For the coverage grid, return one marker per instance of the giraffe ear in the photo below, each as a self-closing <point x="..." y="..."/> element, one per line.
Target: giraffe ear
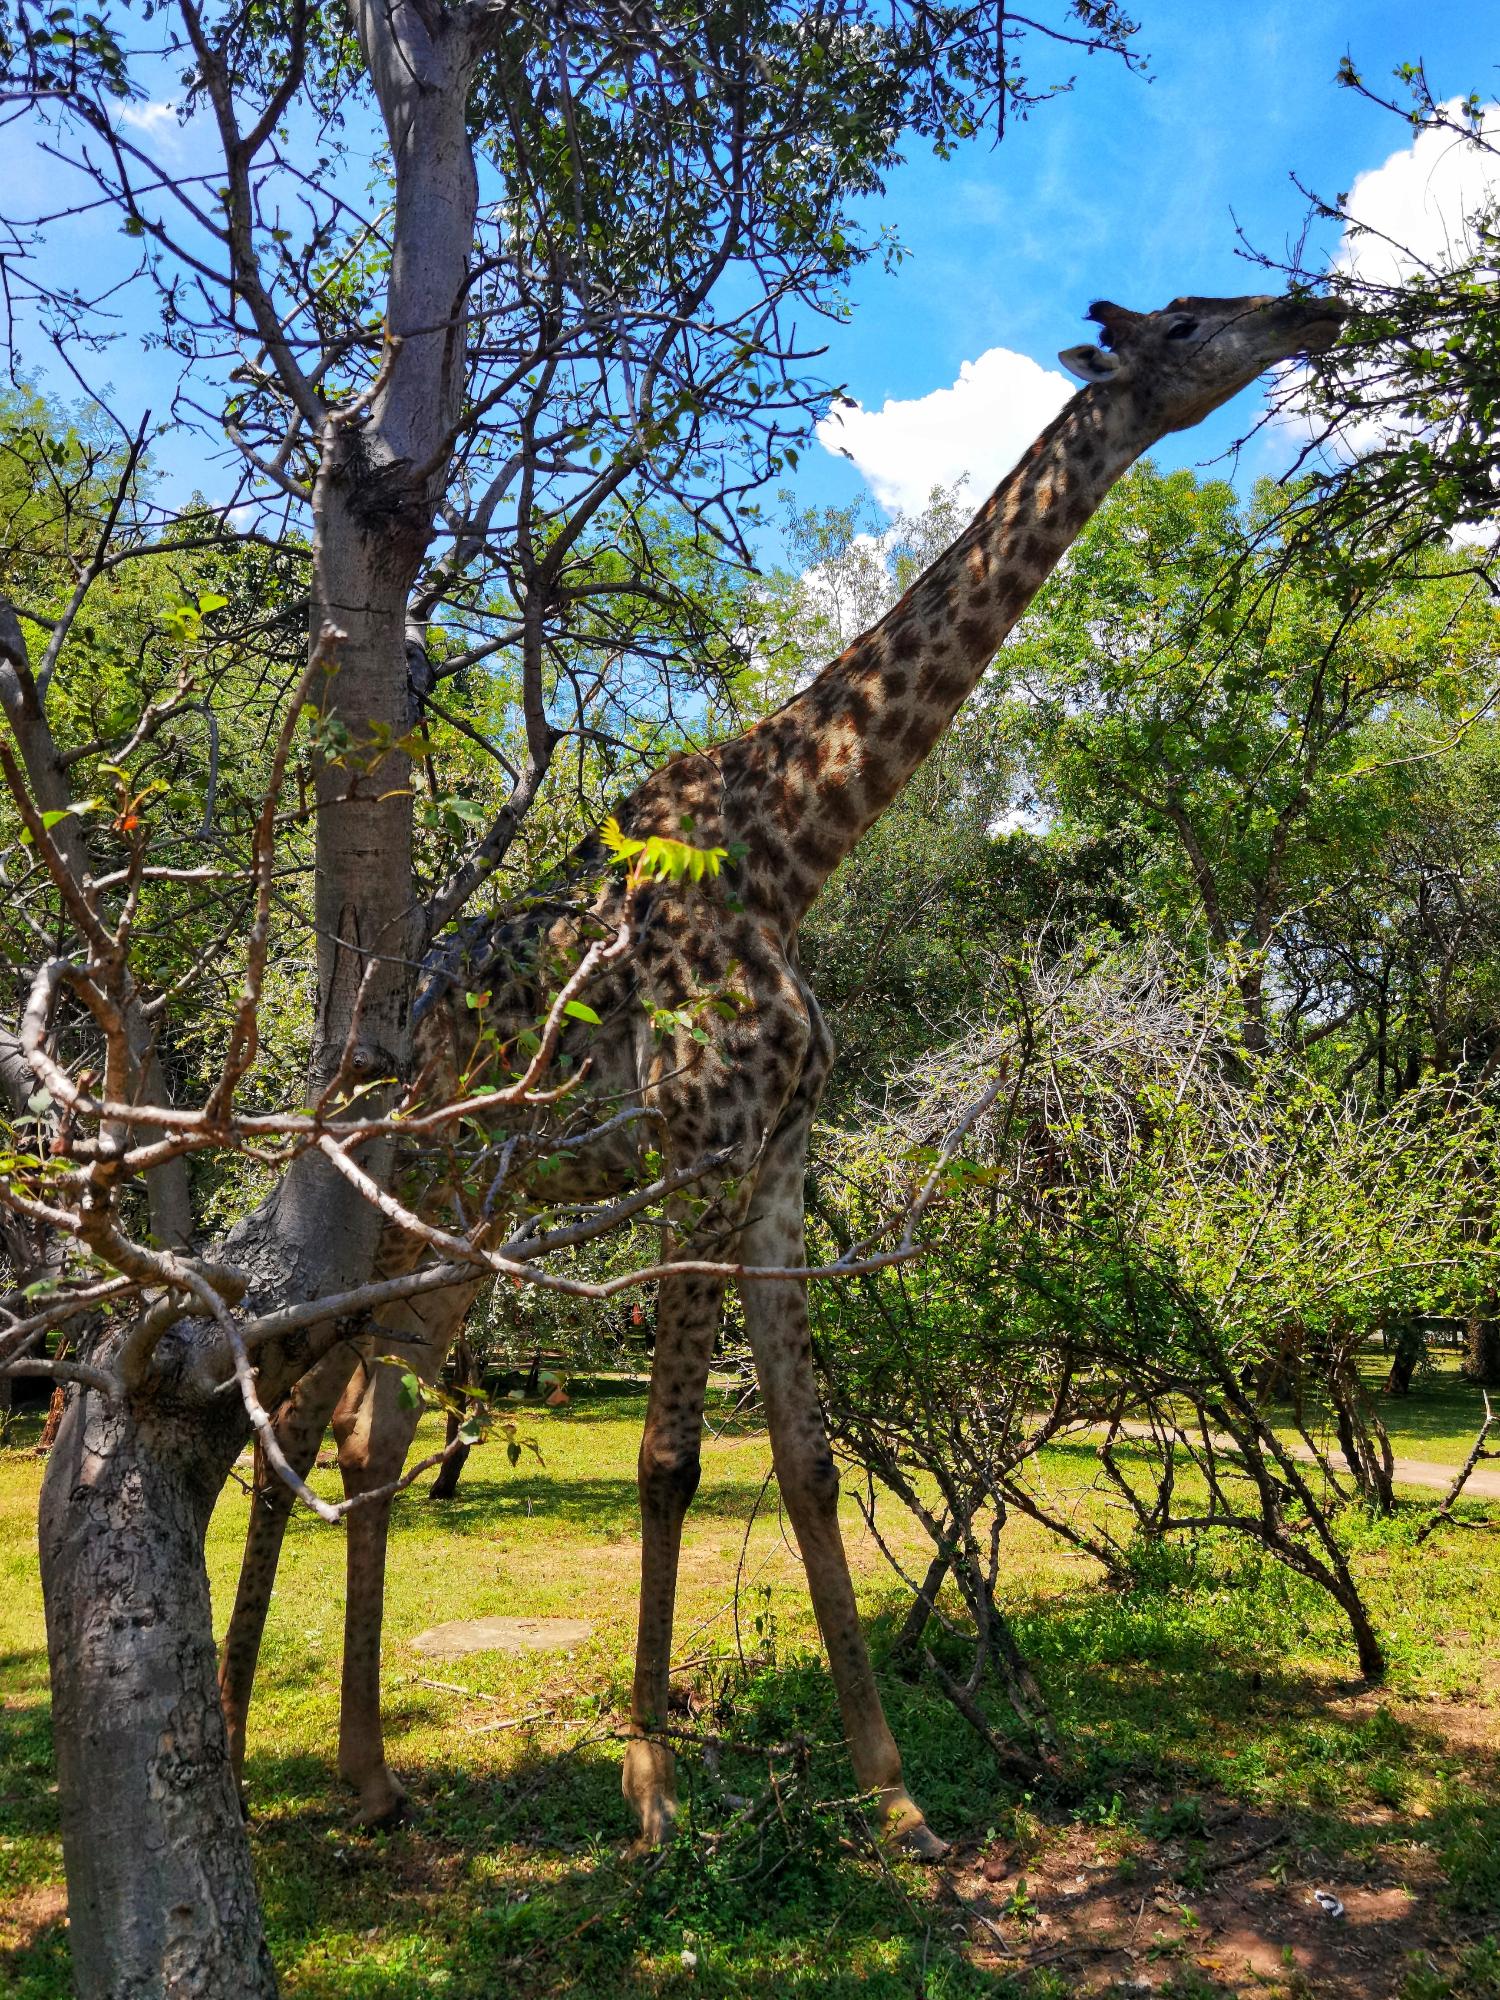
<point x="1089" y="363"/>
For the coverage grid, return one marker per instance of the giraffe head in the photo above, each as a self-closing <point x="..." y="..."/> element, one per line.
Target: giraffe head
<point x="1168" y="369"/>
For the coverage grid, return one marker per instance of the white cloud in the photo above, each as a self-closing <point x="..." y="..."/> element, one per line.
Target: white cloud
<point x="154" y="119"/>
<point x="1414" y="209"/>
<point x="1021" y="819"/>
<point x="979" y="427"/>
<point x="1416" y="206"/>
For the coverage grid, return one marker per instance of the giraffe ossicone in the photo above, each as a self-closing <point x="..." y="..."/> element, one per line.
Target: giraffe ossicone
<point x="792" y="795"/>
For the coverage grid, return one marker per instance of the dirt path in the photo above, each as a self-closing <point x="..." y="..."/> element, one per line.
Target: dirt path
<point x="1483" y="1482"/>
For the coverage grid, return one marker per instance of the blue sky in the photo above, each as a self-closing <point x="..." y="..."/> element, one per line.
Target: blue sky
<point x="1130" y="190"/>
<point x="1126" y="189"/>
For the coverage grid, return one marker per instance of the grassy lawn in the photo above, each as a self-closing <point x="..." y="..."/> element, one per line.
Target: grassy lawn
<point x="1439" y="1419"/>
<point x="1222" y="1762"/>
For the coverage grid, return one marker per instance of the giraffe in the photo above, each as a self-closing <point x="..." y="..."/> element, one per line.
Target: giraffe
<point x="793" y="794"/>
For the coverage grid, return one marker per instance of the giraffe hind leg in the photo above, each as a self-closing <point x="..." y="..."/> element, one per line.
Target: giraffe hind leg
<point x="667" y="1477"/>
<point x="374" y="1435"/>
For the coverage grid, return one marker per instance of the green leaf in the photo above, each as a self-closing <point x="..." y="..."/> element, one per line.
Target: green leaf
<point x="581" y="1011"/>
<point x="619" y="844"/>
<point x="51" y="819"/>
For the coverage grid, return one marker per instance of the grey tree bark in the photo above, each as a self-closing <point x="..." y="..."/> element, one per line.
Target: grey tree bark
<point x="161" y="1897"/>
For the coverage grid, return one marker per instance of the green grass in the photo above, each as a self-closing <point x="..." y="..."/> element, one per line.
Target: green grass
<point x="1439" y="1420"/>
<point x="1215" y="1678"/>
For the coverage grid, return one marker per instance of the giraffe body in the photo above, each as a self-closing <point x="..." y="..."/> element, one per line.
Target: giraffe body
<point x="794" y="794"/>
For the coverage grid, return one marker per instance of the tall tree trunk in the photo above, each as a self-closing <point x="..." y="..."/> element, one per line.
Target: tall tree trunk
<point x="161" y="1897"/>
<point x="1481" y="1364"/>
<point x="161" y="1889"/>
<point x="1407" y="1351"/>
<point x="446" y="1484"/>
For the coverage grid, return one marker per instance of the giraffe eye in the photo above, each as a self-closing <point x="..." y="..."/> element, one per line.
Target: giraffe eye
<point x="1182" y="329"/>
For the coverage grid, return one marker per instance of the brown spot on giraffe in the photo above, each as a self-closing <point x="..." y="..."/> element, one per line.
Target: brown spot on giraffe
<point x="859" y="707"/>
<point x="950" y="687"/>
<point x="905" y="641"/>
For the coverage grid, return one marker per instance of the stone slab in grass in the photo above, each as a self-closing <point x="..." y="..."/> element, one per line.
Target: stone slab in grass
<point x="502" y="1635"/>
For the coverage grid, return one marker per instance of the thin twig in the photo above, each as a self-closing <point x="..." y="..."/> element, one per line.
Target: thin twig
<point x="1478" y="1452"/>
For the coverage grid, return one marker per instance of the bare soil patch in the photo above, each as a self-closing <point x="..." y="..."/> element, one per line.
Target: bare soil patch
<point x="1232" y="1900"/>
<point x="1236" y="1904"/>
<point x="461" y="1636"/>
<point x="26" y="1914"/>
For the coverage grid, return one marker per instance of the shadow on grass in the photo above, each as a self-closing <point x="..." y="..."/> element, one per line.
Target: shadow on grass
<point x="38" y="1966"/>
<point x="1200" y="1720"/>
<point x="488" y="1503"/>
<point x="517" y="1880"/>
<point x="523" y="1882"/>
<point x="27" y="1804"/>
<point x="24" y="1671"/>
<point x="1441" y="1409"/>
<point x="1193" y="1733"/>
<point x="33" y="1934"/>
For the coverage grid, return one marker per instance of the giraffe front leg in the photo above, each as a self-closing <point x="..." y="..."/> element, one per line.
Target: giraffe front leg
<point x="809" y="1484"/>
<point x="776" y="1316"/>
<point x="667" y="1478"/>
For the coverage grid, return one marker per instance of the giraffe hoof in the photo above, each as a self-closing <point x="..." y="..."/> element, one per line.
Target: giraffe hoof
<point x="382" y="1802"/>
<point x="917" y="1842"/>
<point x="649" y="1783"/>
<point x="659" y="1827"/>
<point x="906" y="1829"/>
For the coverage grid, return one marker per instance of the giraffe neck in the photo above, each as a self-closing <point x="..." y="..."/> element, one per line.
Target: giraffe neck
<point x="825" y="766"/>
